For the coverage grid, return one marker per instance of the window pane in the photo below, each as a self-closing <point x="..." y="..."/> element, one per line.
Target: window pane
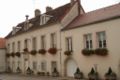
<point x="88" y="41"/>
<point x="34" y="41"/>
<point x="53" y="65"/>
<point x="69" y="46"/>
<point x="34" y="65"/>
<point x="43" y="66"/>
<point x="53" y="40"/>
<point x="101" y="39"/>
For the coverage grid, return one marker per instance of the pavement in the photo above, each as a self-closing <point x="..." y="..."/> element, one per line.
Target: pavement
<point x="30" y="77"/>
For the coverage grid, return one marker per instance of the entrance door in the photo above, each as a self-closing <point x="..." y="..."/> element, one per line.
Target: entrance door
<point x="71" y="68"/>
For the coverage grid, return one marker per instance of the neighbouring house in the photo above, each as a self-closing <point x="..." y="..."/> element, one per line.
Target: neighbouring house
<point x="64" y="39"/>
<point x="2" y="55"/>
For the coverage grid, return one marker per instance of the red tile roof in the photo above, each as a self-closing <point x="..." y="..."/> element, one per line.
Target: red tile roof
<point x="95" y="16"/>
<point x="2" y="43"/>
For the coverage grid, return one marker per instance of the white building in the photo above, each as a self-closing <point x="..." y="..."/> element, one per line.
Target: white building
<point x="66" y="38"/>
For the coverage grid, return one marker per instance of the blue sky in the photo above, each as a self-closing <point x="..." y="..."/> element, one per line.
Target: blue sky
<point x="14" y="11"/>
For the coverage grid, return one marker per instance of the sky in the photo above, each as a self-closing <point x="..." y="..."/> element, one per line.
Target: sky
<point x="13" y="12"/>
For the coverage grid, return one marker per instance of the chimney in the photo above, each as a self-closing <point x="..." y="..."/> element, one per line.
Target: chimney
<point x="37" y="12"/>
<point x="27" y="17"/>
<point x="72" y="2"/>
<point x="48" y="8"/>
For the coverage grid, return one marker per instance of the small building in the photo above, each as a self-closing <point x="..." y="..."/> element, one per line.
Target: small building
<point x="2" y="55"/>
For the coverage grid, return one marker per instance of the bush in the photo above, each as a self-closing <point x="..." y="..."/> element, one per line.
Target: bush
<point x="55" y="73"/>
<point x="87" y="52"/>
<point x="101" y="51"/>
<point x="78" y="74"/>
<point x="93" y="75"/>
<point x="18" y="70"/>
<point x="110" y="75"/>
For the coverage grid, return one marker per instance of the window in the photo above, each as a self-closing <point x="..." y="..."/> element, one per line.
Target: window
<point x="19" y="46"/>
<point x="88" y="41"/>
<point x="34" y="65"/>
<point x="8" y="48"/>
<point x="43" y="45"/>
<point x="26" y="43"/>
<point x="53" y="65"/>
<point x="101" y="36"/>
<point x="34" y="43"/>
<point x="53" y="40"/>
<point x="13" y="47"/>
<point x="43" y="66"/>
<point x="44" y="18"/>
<point x="18" y="63"/>
<point x="69" y="44"/>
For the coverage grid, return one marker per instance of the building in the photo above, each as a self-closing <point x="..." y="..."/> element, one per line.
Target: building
<point x="66" y="38"/>
<point x="2" y="55"/>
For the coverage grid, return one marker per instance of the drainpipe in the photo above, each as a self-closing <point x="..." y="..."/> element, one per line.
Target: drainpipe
<point x="60" y="55"/>
<point x="119" y="70"/>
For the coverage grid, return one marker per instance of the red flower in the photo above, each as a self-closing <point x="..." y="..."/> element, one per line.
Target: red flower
<point x="52" y="50"/>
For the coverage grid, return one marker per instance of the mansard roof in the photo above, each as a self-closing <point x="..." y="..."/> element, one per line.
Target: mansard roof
<point x="96" y="16"/>
<point x="56" y="16"/>
<point x="2" y="43"/>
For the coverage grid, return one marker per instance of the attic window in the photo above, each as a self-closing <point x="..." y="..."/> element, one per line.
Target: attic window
<point x="27" y="26"/>
<point x="15" y="29"/>
<point x="44" y="19"/>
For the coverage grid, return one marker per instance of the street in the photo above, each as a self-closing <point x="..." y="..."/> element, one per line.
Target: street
<point x="29" y="77"/>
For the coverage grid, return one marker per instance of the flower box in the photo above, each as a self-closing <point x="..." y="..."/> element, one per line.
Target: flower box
<point x="87" y="52"/>
<point x="52" y="50"/>
<point x="42" y="51"/>
<point x="101" y="51"/>
<point x="17" y="54"/>
<point x="13" y="54"/>
<point x="68" y="53"/>
<point x="25" y="50"/>
<point x="7" y="55"/>
<point x="33" y="52"/>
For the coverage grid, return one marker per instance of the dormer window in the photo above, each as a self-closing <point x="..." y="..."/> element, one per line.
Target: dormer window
<point x="15" y="29"/>
<point x="44" y="19"/>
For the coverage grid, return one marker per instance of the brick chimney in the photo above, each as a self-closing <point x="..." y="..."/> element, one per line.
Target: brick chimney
<point x="37" y="12"/>
<point x="48" y="8"/>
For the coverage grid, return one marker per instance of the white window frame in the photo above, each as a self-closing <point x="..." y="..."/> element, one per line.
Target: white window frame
<point x="88" y="44"/>
<point x="34" y="43"/>
<point x="43" y="41"/>
<point x="53" y="40"/>
<point x="43" y="66"/>
<point x="101" y="39"/>
<point x="69" y="44"/>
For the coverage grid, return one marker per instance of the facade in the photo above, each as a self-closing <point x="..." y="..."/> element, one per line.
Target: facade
<point x="66" y="38"/>
<point x="2" y="55"/>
